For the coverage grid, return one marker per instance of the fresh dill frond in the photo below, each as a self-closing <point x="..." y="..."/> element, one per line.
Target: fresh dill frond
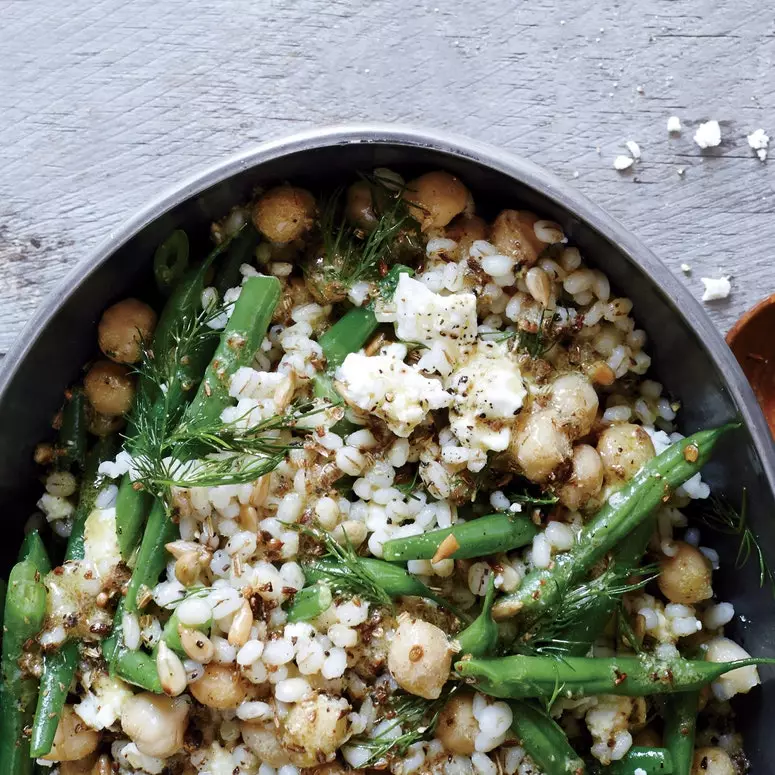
<point x="348" y="577"/>
<point x="414" y="718"/>
<point x="530" y="499"/>
<point x="498" y="336"/>
<point x="722" y="517"/>
<point x="536" y="343"/>
<point x="407" y="488"/>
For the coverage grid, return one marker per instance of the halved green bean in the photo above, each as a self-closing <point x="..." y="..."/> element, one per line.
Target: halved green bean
<point x="33" y="549"/>
<point x="170" y="260"/>
<point x="25" y="612"/>
<point x="517" y="677"/>
<point x="394" y="580"/>
<point x="480" y="638"/>
<point x="139" y="669"/>
<point x="477" y="538"/>
<point x="652" y="761"/>
<point x="71" y="444"/>
<point x="239" y="342"/>
<point x="132" y="508"/>
<point x="680" y="726"/>
<point x="623" y="512"/>
<point x="544" y="740"/>
<point x="310" y="602"/>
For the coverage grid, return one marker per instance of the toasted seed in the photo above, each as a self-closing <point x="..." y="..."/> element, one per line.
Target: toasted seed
<point x="248" y="518"/>
<point x="239" y="632"/>
<point x="260" y="492"/>
<point x="178" y="548"/>
<point x="284" y="393"/>
<point x="539" y="285"/>
<point x="172" y="674"/>
<point x="602" y="374"/>
<point x="187" y="568"/>
<point x="446" y="549"/>
<point x="196" y="645"/>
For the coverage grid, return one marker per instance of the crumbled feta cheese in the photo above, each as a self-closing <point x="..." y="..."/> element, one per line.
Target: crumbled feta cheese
<point x="431" y="319"/>
<point x="715" y="288"/>
<point x="686" y="268"/>
<point x="101" y="705"/>
<point x="708" y="134"/>
<point x="633" y="148"/>
<point x="55" y="507"/>
<point x="674" y="124"/>
<point x="101" y="542"/>
<point x="623" y="162"/>
<point x="390" y="389"/>
<point x="113" y="469"/>
<point x="759" y="140"/>
<point x="488" y="393"/>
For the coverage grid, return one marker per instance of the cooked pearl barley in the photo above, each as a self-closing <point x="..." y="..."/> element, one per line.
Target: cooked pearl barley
<point x="739" y="681"/>
<point x="578" y="281"/>
<point x="335" y="663"/>
<point x="549" y="232"/>
<point x="342" y="636"/>
<point x="292" y="690"/>
<point x="560" y="536"/>
<point x="131" y="631"/>
<point x="278" y="652"/>
<point x="194" y="612"/>
<point x="352" y="613"/>
<point x="718" y="615"/>
<point x="290" y="508"/>
<point x="496" y="266"/>
<point x="355" y="533"/>
<point x="478" y="577"/>
<point x="327" y="512"/>
<point x="255" y="710"/>
<point x="350" y="461"/>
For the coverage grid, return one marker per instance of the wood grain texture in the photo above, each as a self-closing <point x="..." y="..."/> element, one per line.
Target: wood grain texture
<point x="104" y="104"/>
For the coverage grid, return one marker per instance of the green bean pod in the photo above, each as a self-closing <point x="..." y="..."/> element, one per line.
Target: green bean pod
<point x="132" y="507"/>
<point x="652" y="761"/>
<point x="138" y="669"/>
<point x="170" y="260"/>
<point x="310" y="602"/>
<point x="624" y="511"/>
<point x="517" y="677"/>
<point x="239" y="342"/>
<point x="25" y="612"/>
<point x="58" y="672"/>
<point x="680" y="726"/>
<point x="478" y="538"/>
<point x="544" y="740"/>
<point x="32" y="549"/>
<point x="394" y="580"/>
<point x="71" y="445"/>
<point x="480" y="638"/>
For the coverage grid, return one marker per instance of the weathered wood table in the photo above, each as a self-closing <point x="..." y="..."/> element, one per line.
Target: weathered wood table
<point x="105" y="104"/>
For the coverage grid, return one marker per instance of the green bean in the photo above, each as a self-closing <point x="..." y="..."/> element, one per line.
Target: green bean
<point x="310" y="602"/>
<point x="392" y="579"/>
<point x="104" y="449"/>
<point x="518" y="676"/>
<point x="132" y="507"/>
<point x="477" y="538"/>
<point x="652" y="761"/>
<point x="625" y="510"/>
<point x="480" y="638"/>
<point x="25" y="612"/>
<point x="239" y="253"/>
<point x="139" y="669"/>
<point x="3" y="593"/>
<point x="71" y="445"/>
<point x="239" y="342"/>
<point x="58" y="672"/>
<point x="544" y="740"/>
<point x="32" y="549"/>
<point x="680" y="726"/>
<point x="170" y="260"/>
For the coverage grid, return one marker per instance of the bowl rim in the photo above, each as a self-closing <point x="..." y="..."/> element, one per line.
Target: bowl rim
<point x="544" y="182"/>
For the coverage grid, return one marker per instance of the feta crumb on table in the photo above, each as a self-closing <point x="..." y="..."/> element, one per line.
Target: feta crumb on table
<point x="622" y="162"/>
<point x="633" y="148"/>
<point x="708" y="134"/>
<point x="716" y="288"/>
<point x="674" y="125"/>
<point x="759" y="140"/>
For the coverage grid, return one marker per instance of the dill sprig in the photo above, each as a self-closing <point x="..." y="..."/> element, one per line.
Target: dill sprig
<point x="416" y="715"/>
<point x="350" y="577"/>
<point x="537" y="343"/>
<point x="722" y="517"/>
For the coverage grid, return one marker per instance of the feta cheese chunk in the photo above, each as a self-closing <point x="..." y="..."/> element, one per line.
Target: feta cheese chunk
<point x="101" y="542"/>
<point x="445" y="324"/>
<point x="708" y="135"/>
<point x="623" y="162"/>
<point x="673" y="124"/>
<point x="715" y="288"/>
<point x="759" y="140"/>
<point x="488" y="393"/>
<point x="102" y="704"/>
<point x="386" y="387"/>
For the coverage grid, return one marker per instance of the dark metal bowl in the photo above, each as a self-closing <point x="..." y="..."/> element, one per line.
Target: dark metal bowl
<point x="689" y="356"/>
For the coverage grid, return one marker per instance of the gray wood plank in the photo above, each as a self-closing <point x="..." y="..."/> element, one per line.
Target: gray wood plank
<point x="105" y="104"/>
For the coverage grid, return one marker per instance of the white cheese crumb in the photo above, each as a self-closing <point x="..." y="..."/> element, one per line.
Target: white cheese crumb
<point x="759" y="140"/>
<point x="639" y="771"/>
<point x="623" y="162"/>
<point x="674" y="124"/>
<point x="681" y="171"/>
<point x="633" y="148"/>
<point x="686" y="268"/>
<point x="715" y="288"/>
<point x="708" y="134"/>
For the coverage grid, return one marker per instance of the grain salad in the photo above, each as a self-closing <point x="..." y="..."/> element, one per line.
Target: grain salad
<point x="377" y="483"/>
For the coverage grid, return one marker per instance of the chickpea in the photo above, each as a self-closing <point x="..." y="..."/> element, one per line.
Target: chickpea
<point x="109" y="388"/>
<point x="575" y="403"/>
<point x="359" y="207"/>
<point x="435" y="199"/>
<point x="465" y="230"/>
<point x="123" y="328"/>
<point x="685" y="577"/>
<point x="220" y="687"/>
<point x="739" y="681"/>
<point x="315" y="728"/>
<point x="284" y="213"/>
<point x="586" y="479"/>
<point x="419" y="658"/>
<point x="712" y="761"/>
<point x="513" y="234"/>
<point x="262" y="739"/>
<point x="540" y="446"/>
<point x="73" y="739"/>
<point x="457" y="728"/>
<point x="155" y="723"/>
<point x="624" y="448"/>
